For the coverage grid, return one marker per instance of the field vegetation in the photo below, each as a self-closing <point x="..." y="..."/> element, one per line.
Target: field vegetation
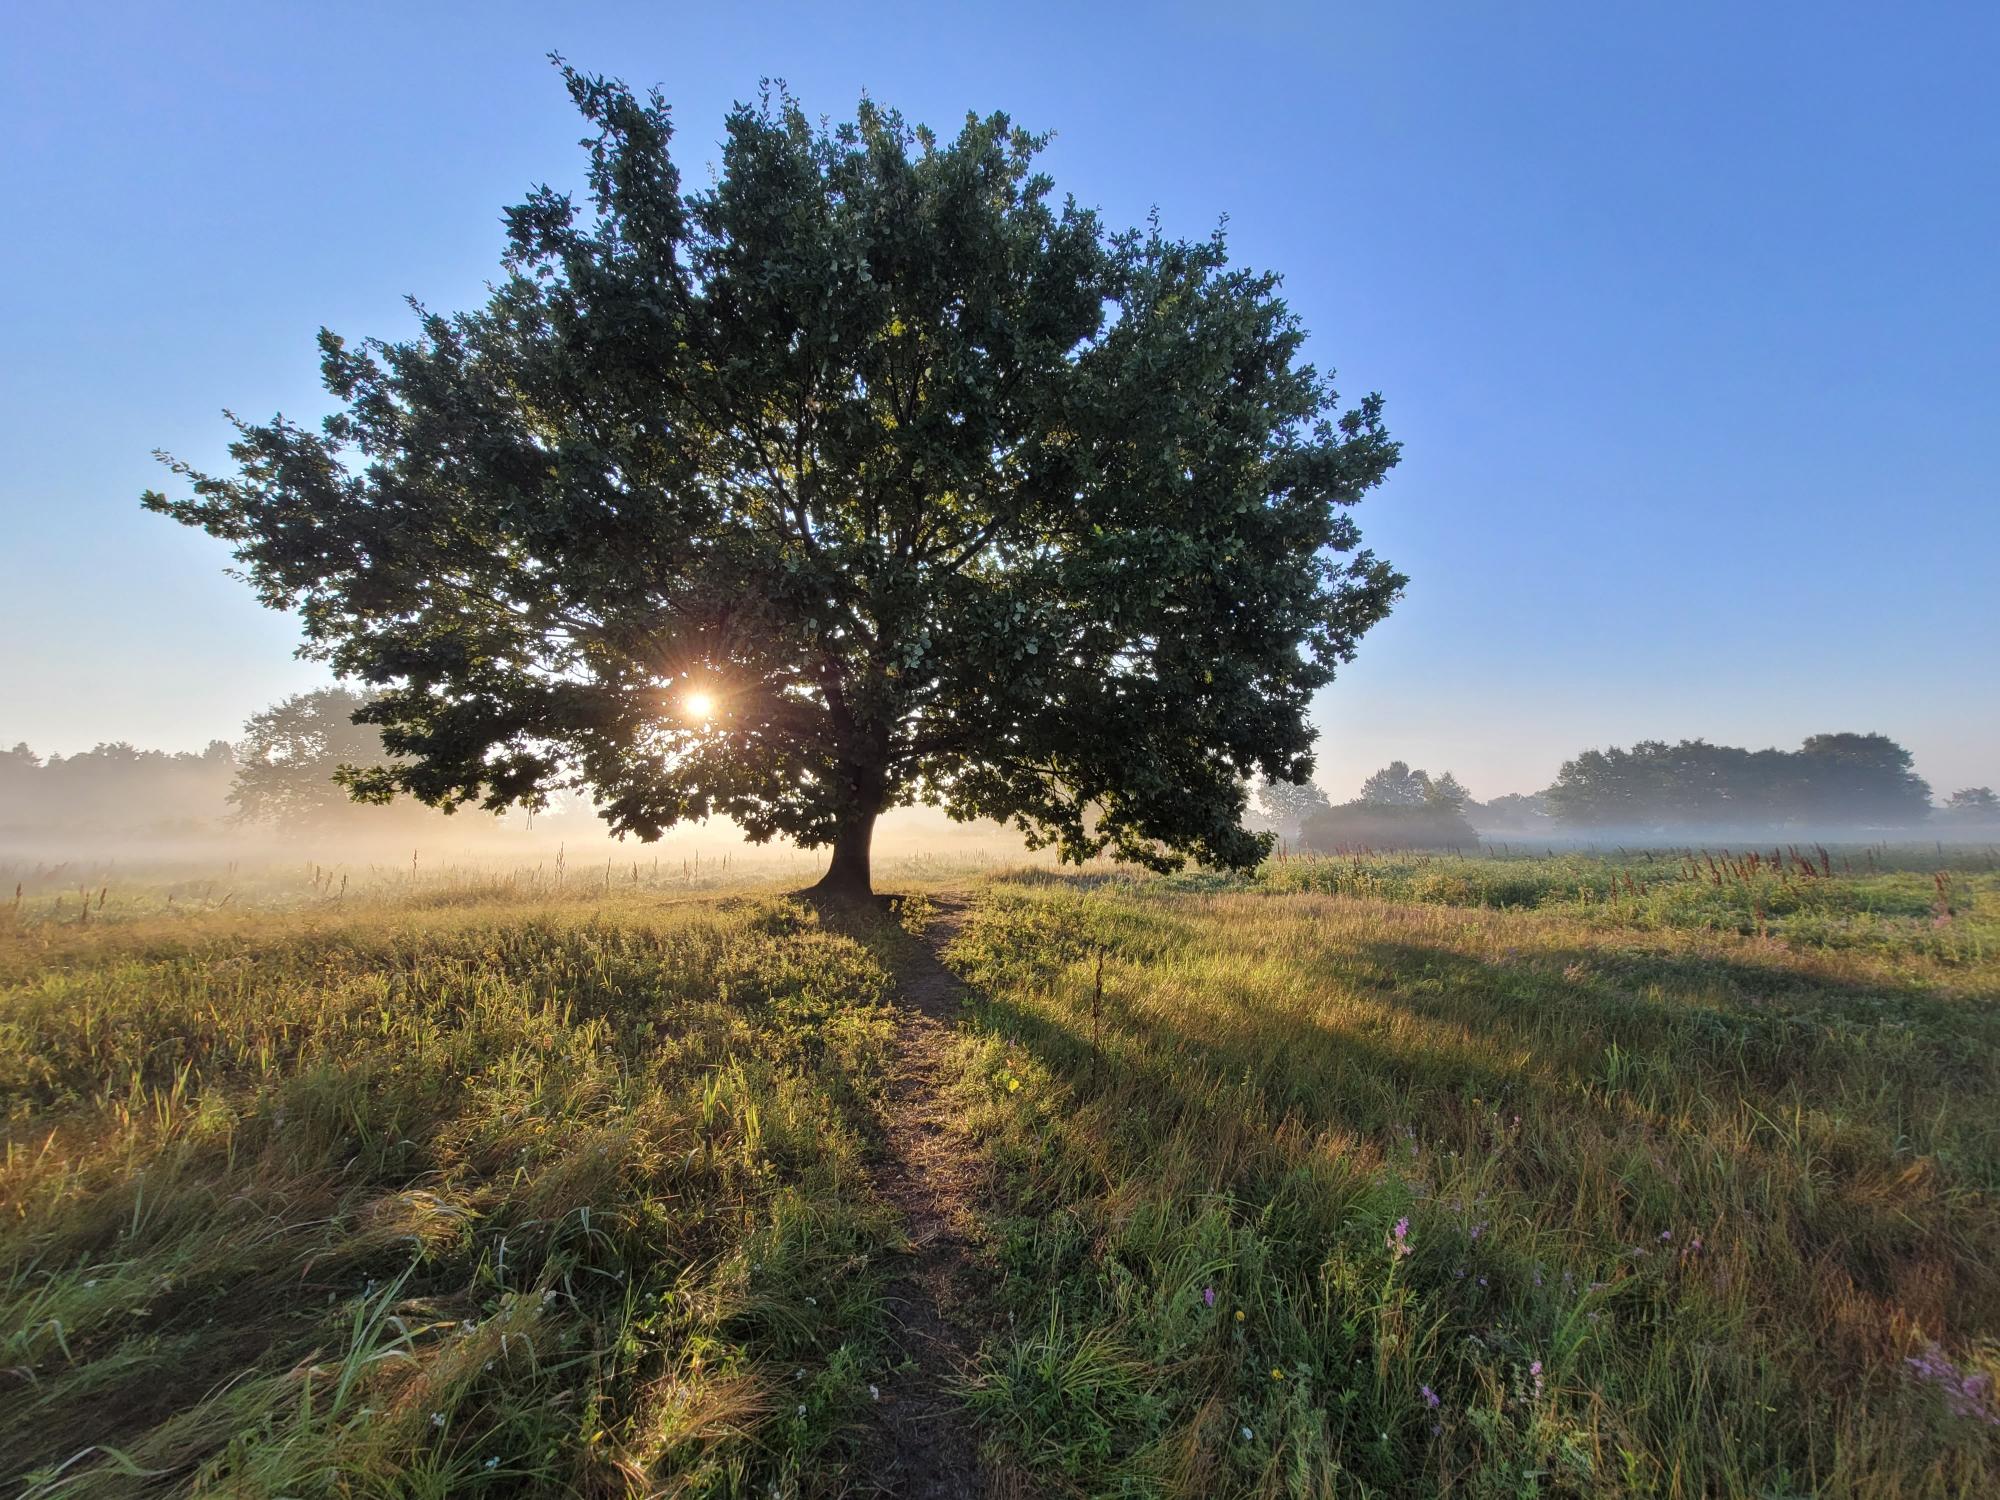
<point x="1374" y="1175"/>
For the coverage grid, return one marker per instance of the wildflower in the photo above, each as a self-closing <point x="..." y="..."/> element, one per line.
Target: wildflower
<point x="1482" y="1281"/>
<point x="1247" y="1433"/>
<point x="799" y="1373"/>
<point x="1276" y="1373"/>
<point x="1478" y="1229"/>
<point x="802" y="1408"/>
<point x="1239" y="1315"/>
<point x="1399" y="1238"/>
<point x="1535" y="1370"/>
<point x="437" y="1419"/>
<point x="1208" y="1296"/>
<point x="812" y="1302"/>
<point x="1013" y="1085"/>
<point x="1666" y="1235"/>
<point x="1969" y="1396"/>
<point x="493" y="1462"/>
<point x="874" y="1393"/>
<point x="1430" y="1396"/>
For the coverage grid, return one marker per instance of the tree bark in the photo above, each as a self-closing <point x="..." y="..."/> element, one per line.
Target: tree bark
<point x="847" y="873"/>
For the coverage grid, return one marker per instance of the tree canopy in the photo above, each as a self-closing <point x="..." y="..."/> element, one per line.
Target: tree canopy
<point x="1288" y="804"/>
<point x="869" y="473"/>
<point x="1396" y="785"/>
<point x="1831" y="781"/>
<point x="296" y="757"/>
<point x="1974" y="804"/>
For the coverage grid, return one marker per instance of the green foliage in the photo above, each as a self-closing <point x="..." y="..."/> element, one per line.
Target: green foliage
<point x="1395" y="785"/>
<point x="1974" y="805"/>
<point x="290" y="765"/>
<point x="936" y="488"/>
<point x="1289" y="804"/>
<point x="1833" y="781"/>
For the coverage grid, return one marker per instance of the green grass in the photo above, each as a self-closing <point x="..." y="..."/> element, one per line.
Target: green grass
<point x="1680" y="1206"/>
<point x="464" y="1186"/>
<point x="438" y="1201"/>
<point x="1943" y="904"/>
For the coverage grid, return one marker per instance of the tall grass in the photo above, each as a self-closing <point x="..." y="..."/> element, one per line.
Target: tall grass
<point x="1946" y="906"/>
<point x="1317" y="1195"/>
<point x="438" y="1200"/>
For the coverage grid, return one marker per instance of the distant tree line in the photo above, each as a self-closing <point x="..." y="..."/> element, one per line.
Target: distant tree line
<point x="1399" y="808"/>
<point x="1862" y="781"/>
<point x="286" y="774"/>
<point x="1831" y="783"/>
<point x="115" y="786"/>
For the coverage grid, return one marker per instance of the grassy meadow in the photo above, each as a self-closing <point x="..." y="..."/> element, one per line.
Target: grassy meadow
<point x="1377" y="1176"/>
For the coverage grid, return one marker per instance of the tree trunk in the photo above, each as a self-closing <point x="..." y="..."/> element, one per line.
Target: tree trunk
<point x="847" y="873"/>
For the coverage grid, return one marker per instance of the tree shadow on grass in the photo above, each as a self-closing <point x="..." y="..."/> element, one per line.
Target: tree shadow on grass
<point x="1563" y="1046"/>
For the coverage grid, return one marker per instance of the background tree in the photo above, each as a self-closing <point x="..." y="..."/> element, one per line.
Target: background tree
<point x="1289" y="804"/>
<point x="1862" y="778"/>
<point x="1515" y="812"/>
<point x="868" y="474"/>
<point x="1832" y="781"/>
<point x="293" y="755"/>
<point x="1396" y="785"/>
<point x="1974" y="804"/>
<point x="1445" y="791"/>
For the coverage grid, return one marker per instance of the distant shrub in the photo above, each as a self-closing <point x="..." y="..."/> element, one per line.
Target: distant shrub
<point x="1375" y="825"/>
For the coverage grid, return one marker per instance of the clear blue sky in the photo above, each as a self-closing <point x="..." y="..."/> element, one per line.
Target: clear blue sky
<point x="1688" y="316"/>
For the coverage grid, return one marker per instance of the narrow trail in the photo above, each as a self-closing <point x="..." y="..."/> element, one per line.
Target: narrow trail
<point x="922" y="1448"/>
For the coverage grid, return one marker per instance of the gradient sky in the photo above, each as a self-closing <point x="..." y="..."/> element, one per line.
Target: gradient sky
<point x="1688" y="317"/>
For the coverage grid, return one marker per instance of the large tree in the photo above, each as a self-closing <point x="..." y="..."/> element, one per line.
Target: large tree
<point x="867" y="474"/>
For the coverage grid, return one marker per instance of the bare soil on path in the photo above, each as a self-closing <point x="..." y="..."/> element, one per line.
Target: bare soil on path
<point x="921" y="1447"/>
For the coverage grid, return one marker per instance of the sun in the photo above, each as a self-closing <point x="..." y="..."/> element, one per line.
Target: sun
<point x="699" y="705"/>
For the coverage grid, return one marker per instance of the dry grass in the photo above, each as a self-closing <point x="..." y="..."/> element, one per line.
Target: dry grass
<point x="1681" y="1206"/>
<point x="436" y="1199"/>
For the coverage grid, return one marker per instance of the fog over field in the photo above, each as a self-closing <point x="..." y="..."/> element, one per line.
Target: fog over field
<point x="984" y="752"/>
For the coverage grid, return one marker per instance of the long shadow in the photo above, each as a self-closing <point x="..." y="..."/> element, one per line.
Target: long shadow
<point x="1559" y="1016"/>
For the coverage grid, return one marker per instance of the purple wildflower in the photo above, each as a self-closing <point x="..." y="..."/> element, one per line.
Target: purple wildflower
<point x="1968" y="1396"/>
<point x="1399" y="1238"/>
<point x="1208" y="1296"/>
<point x="1430" y="1396"/>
